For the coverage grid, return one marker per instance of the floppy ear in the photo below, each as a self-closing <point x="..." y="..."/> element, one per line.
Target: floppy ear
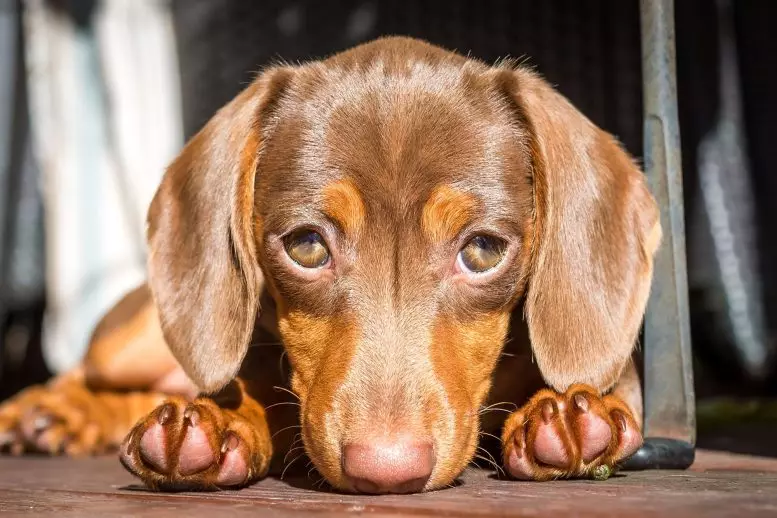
<point x="596" y="230"/>
<point x="203" y="268"/>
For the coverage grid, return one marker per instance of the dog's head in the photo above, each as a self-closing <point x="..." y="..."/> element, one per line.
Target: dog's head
<point x="397" y="201"/>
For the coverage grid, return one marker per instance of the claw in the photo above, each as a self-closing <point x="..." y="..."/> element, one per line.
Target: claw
<point x="581" y="402"/>
<point x="547" y="411"/>
<point x="231" y="442"/>
<point x="165" y="414"/>
<point x="620" y="421"/>
<point x="192" y="416"/>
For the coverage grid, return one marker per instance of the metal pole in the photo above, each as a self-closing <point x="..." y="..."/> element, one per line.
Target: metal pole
<point x="670" y="418"/>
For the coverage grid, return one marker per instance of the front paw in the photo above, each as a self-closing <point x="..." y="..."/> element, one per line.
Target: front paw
<point x="62" y="418"/>
<point x="574" y="434"/>
<point x="197" y="446"/>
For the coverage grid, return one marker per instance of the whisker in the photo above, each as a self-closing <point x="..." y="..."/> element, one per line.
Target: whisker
<point x="491" y="435"/>
<point x="490" y="456"/>
<point x="292" y="450"/>
<point x="490" y="463"/>
<point x="282" y="403"/>
<point x="296" y="445"/>
<point x="493" y="460"/>
<point x="474" y="461"/>
<point x="484" y="411"/>
<point x="495" y="405"/>
<point x="284" y="429"/>
<point x="290" y="463"/>
<point x="284" y="389"/>
<point x="297" y="439"/>
<point x="473" y="464"/>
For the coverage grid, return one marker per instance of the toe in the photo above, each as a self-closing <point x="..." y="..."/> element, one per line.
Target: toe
<point x="234" y="468"/>
<point x="518" y="463"/>
<point x="153" y="448"/>
<point x="50" y="440"/>
<point x="86" y="442"/>
<point x="153" y="444"/>
<point x="629" y="436"/>
<point x="129" y="454"/>
<point x="196" y="454"/>
<point x="32" y="424"/>
<point x="549" y="445"/>
<point x="593" y="431"/>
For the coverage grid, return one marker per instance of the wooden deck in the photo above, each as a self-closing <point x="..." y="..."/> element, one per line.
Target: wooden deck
<point x="718" y="485"/>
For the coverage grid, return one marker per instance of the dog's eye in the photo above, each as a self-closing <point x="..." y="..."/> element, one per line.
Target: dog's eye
<point x="481" y="253"/>
<point x="307" y="249"/>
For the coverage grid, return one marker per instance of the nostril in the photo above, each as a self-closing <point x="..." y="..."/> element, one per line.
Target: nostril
<point x="397" y="466"/>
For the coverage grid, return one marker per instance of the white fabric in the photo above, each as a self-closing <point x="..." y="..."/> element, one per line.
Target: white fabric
<point x="106" y="121"/>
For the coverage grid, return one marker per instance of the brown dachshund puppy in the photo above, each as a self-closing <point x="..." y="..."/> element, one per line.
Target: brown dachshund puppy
<point x="410" y="236"/>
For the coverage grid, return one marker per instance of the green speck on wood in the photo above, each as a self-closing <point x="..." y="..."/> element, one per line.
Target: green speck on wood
<point x="602" y="472"/>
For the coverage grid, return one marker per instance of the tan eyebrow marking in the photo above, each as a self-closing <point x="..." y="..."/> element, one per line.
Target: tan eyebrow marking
<point x="446" y="212"/>
<point x="344" y="204"/>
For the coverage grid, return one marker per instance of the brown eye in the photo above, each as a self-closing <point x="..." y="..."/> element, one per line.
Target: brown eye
<point x="481" y="254"/>
<point x="307" y="248"/>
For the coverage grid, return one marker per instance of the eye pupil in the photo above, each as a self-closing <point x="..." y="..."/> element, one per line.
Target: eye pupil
<point x="482" y="253"/>
<point x="307" y="249"/>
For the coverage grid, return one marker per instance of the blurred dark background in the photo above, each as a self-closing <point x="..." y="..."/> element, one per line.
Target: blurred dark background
<point x="727" y="79"/>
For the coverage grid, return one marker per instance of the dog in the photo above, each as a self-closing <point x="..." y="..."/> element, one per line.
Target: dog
<point x="387" y="255"/>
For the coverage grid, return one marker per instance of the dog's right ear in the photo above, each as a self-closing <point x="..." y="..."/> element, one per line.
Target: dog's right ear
<point x="203" y="267"/>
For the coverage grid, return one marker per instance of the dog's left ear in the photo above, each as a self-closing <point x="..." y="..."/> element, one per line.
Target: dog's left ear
<point x="596" y="228"/>
<point x="203" y="268"/>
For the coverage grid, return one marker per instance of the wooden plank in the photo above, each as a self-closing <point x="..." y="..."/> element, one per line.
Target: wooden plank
<point x="100" y="487"/>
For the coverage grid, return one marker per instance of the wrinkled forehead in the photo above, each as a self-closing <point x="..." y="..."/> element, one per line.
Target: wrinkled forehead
<point x="396" y="138"/>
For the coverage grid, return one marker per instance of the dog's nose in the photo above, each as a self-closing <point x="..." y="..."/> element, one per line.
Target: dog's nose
<point x="388" y="466"/>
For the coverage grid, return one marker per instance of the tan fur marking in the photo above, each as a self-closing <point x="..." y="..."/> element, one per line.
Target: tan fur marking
<point x="320" y="350"/>
<point x="343" y="204"/>
<point x="465" y="376"/>
<point x="446" y="212"/>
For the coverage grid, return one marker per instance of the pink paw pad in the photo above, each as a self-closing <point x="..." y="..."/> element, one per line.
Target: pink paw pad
<point x="567" y="435"/>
